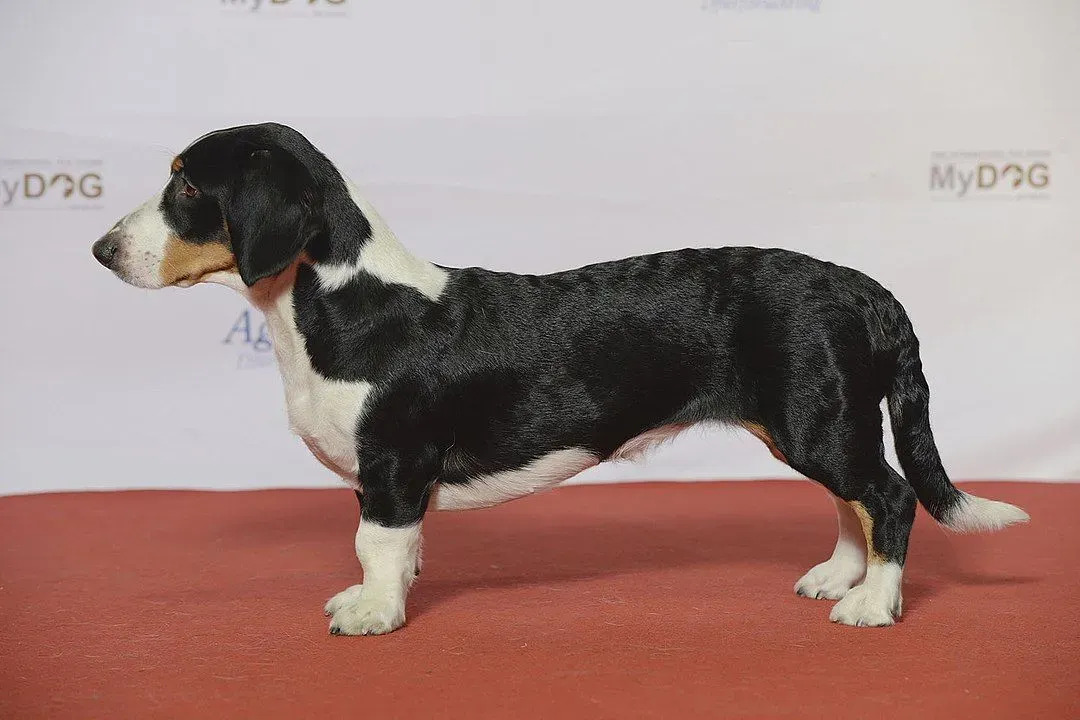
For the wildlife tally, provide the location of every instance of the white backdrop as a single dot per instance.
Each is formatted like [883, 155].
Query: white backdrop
[932, 145]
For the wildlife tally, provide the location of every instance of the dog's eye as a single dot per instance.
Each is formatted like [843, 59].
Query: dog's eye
[189, 190]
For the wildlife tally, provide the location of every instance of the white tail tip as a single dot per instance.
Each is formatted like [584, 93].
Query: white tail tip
[976, 514]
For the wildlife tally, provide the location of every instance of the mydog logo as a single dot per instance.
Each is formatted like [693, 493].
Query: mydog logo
[58, 184]
[1000, 174]
[249, 337]
[287, 8]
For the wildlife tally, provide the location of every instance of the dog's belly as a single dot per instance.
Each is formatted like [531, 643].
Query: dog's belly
[541, 474]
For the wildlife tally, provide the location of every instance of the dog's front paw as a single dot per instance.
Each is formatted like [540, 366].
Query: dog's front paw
[830, 580]
[355, 613]
[865, 606]
[343, 598]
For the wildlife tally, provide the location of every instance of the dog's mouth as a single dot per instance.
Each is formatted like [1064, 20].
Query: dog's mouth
[184, 264]
[186, 281]
[116, 256]
[177, 263]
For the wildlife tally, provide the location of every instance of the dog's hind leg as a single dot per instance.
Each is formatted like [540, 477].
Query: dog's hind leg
[832, 579]
[885, 507]
[875, 523]
[875, 508]
[881, 504]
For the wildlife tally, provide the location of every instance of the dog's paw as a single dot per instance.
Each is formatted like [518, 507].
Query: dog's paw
[865, 606]
[830, 580]
[357, 613]
[343, 598]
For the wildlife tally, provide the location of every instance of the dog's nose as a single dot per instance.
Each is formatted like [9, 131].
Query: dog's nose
[105, 248]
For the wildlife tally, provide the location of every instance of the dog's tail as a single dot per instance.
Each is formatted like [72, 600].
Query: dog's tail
[909, 412]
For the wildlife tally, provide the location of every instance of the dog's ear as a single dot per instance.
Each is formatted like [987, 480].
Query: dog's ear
[270, 213]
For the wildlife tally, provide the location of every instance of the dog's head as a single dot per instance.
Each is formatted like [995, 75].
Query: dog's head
[240, 203]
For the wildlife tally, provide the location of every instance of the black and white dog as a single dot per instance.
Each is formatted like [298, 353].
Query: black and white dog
[424, 386]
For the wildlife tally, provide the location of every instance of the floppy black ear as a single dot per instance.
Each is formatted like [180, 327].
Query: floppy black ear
[269, 213]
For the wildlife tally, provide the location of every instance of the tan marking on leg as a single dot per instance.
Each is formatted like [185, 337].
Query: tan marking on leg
[867, 522]
[187, 263]
[177, 163]
[763, 435]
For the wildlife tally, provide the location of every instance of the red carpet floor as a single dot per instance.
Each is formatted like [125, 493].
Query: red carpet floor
[658, 600]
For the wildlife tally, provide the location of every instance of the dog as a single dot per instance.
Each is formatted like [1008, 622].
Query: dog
[428, 386]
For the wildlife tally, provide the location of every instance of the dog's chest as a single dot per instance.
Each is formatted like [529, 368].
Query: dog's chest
[324, 413]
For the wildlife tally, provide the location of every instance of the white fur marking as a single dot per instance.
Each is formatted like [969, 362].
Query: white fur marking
[833, 578]
[323, 412]
[976, 514]
[386, 258]
[540, 474]
[876, 601]
[388, 557]
[144, 235]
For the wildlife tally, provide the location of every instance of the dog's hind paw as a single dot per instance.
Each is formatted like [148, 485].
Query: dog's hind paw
[830, 580]
[866, 607]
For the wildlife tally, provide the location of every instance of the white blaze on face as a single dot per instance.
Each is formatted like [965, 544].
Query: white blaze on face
[143, 239]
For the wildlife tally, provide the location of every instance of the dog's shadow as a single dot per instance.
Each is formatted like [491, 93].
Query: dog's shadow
[510, 555]
[507, 557]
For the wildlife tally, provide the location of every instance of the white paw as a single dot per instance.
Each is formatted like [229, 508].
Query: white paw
[865, 606]
[830, 580]
[345, 597]
[354, 612]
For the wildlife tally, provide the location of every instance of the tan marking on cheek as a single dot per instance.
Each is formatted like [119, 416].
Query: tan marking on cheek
[188, 263]
[867, 522]
[763, 435]
[177, 163]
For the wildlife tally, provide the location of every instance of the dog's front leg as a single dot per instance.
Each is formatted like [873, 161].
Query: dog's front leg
[388, 557]
[388, 548]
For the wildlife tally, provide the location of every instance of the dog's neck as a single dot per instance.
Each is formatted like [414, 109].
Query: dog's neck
[371, 250]
[380, 255]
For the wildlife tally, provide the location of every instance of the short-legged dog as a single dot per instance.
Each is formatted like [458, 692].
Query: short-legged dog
[425, 386]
